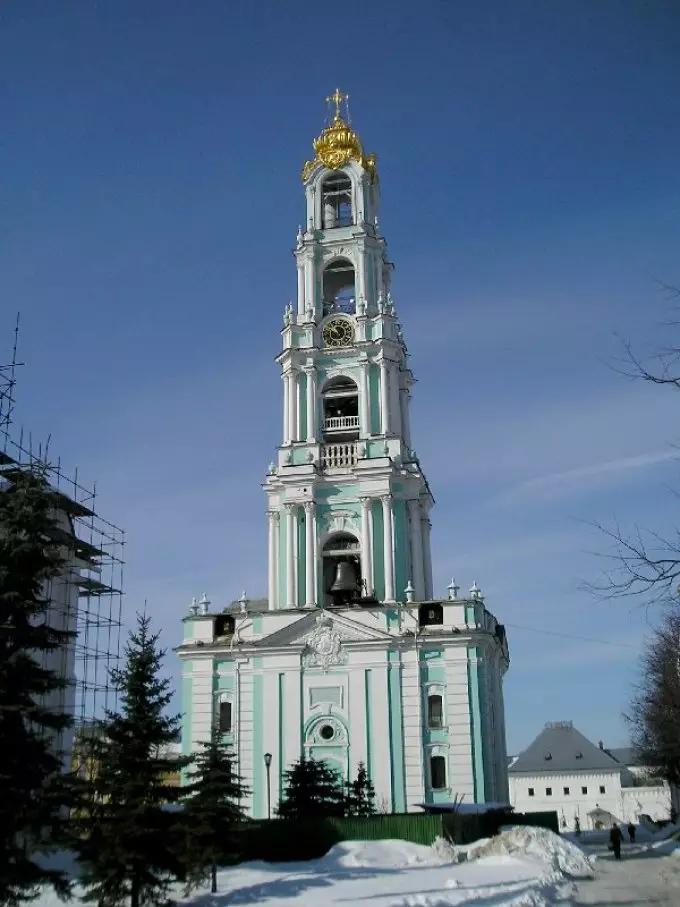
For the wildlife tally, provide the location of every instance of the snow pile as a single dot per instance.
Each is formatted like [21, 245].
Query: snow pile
[389, 854]
[540, 845]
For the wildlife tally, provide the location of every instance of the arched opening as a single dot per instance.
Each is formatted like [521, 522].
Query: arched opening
[430, 615]
[224, 625]
[341, 565]
[340, 401]
[338, 287]
[435, 710]
[437, 772]
[336, 201]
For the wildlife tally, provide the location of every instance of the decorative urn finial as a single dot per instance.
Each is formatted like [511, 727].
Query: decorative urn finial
[338, 143]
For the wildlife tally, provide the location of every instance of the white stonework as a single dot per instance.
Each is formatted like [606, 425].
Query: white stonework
[585, 784]
[335, 663]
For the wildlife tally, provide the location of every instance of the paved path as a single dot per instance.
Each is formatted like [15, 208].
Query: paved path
[645, 876]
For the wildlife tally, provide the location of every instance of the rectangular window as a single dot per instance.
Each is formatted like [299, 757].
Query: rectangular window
[602, 789]
[438, 772]
[435, 711]
[548, 791]
[584, 790]
[566, 791]
[531, 792]
[225, 718]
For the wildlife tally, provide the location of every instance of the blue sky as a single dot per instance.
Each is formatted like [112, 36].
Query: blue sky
[150, 194]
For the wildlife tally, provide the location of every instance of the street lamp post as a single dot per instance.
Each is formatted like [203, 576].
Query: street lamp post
[268, 765]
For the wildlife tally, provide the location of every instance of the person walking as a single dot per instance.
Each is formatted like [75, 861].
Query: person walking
[631, 832]
[615, 837]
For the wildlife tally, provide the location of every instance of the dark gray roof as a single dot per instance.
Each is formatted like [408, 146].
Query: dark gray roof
[624, 754]
[253, 604]
[561, 748]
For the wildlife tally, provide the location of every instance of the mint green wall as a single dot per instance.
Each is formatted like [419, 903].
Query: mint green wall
[476, 730]
[225, 682]
[282, 559]
[489, 782]
[189, 628]
[336, 494]
[301, 560]
[433, 670]
[378, 554]
[374, 397]
[257, 623]
[302, 406]
[396, 722]
[259, 792]
[401, 559]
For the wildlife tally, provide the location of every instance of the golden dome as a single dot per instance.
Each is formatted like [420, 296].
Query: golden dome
[338, 143]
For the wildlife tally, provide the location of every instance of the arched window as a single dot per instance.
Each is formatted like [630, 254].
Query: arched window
[430, 615]
[435, 710]
[338, 287]
[225, 715]
[340, 398]
[336, 201]
[224, 625]
[437, 772]
[341, 570]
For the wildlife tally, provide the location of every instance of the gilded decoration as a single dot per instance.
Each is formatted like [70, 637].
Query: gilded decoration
[338, 144]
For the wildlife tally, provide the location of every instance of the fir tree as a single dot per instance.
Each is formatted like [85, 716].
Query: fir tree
[312, 790]
[212, 812]
[360, 794]
[129, 844]
[33, 792]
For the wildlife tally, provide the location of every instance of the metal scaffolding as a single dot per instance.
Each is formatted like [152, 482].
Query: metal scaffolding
[86, 597]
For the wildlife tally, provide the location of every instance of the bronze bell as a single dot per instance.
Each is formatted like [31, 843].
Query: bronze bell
[345, 582]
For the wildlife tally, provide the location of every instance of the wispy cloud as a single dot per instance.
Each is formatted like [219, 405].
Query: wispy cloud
[558, 483]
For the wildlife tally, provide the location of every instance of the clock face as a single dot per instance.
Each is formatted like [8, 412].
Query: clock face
[338, 332]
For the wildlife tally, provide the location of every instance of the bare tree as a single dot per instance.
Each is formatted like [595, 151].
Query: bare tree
[644, 562]
[654, 712]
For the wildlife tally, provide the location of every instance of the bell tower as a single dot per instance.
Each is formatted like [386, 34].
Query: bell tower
[348, 503]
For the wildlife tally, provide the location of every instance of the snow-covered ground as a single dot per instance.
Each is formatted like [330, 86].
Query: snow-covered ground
[521, 867]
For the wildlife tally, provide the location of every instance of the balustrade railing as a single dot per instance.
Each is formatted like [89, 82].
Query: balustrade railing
[338, 456]
[335, 423]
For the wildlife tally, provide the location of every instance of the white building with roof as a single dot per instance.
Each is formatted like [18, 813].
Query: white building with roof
[562, 770]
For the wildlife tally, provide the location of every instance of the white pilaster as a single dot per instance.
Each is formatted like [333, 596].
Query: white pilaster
[364, 403]
[202, 702]
[413, 728]
[427, 557]
[382, 755]
[366, 546]
[388, 557]
[286, 408]
[418, 577]
[301, 288]
[460, 770]
[310, 300]
[357, 716]
[405, 399]
[270, 735]
[310, 572]
[293, 391]
[385, 422]
[395, 410]
[290, 555]
[311, 403]
[273, 558]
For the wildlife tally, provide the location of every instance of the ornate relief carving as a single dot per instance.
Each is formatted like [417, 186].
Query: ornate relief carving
[323, 646]
[326, 731]
[340, 521]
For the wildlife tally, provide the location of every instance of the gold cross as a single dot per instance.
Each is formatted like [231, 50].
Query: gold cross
[337, 98]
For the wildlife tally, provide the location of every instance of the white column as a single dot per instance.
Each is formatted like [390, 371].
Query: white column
[311, 403]
[360, 275]
[310, 572]
[273, 558]
[366, 545]
[395, 411]
[387, 547]
[405, 399]
[364, 403]
[427, 557]
[301, 289]
[290, 555]
[384, 398]
[309, 283]
[286, 408]
[292, 405]
[418, 578]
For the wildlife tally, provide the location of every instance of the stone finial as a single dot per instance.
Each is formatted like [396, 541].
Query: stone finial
[204, 604]
[193, 607]
[361, 306]
[271, 471]
[300, 237]
[243, 602]
[453, 589]
[410, 592]
[476, 592]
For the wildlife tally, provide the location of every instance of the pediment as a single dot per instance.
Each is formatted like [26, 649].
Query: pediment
[301, 631]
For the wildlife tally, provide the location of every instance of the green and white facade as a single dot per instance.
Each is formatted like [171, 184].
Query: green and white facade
[409, 684]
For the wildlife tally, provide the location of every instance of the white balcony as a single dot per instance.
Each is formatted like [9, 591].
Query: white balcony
[340, 423]
[338, 456]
